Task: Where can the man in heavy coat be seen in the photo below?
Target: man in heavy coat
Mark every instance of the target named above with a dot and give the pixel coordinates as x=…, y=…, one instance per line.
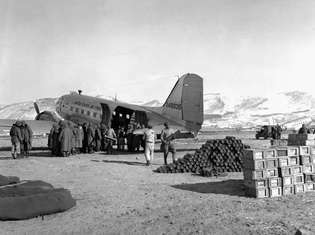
x=16, y=138
x=90, y=138
x=65, y=138
x=27, y=135
x=97, y=138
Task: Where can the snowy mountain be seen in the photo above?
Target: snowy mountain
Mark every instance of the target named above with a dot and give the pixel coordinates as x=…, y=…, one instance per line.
x=221, y=110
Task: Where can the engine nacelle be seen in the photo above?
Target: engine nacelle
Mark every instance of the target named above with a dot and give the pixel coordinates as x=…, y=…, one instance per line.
x=47, y=116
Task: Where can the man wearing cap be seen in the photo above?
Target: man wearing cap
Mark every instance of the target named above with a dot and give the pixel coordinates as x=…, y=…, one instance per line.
x=149, y=144
x=168, y=145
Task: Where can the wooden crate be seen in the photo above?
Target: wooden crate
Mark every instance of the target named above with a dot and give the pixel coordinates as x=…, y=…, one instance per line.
x=309, y=178
x=272, y=172
x=277, y=143
x=263, y=183
x=298, y=179
x=270, y=153
x=312, y=149
x=294, y=160
x=304, y=150
x=308, y=169
x=304, y=160
x=257, y=192
x=293, y=151
x=282, y=152
x=275, y=192
x=272, y=163
x=310, y=187
x=254, y=164
x=288, y=190
x=283, y=161
x=287, y=180
x=297, y=170
x=254, y=175
x=299, y=188
x=254, y=154
x=275, y=182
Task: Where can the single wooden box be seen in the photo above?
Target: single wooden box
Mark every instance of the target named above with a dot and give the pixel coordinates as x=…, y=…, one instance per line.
x=299, y=188
x=283, y=161
x=294, y=160
x=272, y=163
x=270, y=153
x=310, y=187
x=254, y=175
x=257, y=192
x=275, y=182
x=272, y=172
x=275, y=192
x=288, y=190
x=254, y=154
x=306, y=159
x=308, y=169
x=305, y=150
x=298, y=179
x=263, y=183
x=287, y=180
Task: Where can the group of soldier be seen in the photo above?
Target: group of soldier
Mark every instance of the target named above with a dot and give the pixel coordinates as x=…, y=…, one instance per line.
x=67, y=138
x=21, y=138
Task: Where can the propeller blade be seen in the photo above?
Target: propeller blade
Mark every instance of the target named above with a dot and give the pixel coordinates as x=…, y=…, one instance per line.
x=36, y=108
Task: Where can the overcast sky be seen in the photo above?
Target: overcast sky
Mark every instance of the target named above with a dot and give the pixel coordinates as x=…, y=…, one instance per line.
x=137, y=48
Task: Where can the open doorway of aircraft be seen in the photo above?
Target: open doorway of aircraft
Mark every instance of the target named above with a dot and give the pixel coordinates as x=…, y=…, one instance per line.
x=182, y=110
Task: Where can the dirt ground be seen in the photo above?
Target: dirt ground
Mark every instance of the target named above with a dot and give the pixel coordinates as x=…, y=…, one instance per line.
x=118, y=194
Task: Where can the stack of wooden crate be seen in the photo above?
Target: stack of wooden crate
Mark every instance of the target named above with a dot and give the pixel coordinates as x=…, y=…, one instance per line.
x=279, y=171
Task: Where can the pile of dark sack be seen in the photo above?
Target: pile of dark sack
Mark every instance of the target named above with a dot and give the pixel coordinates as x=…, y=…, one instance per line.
x=28, y=199
x=213, y=158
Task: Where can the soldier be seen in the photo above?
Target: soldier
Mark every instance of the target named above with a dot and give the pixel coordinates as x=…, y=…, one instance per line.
x=149, y=144
x=78, y=138
x=90, y=138
x=303, y=130
x=103, y=139
x=53, y=142
x=111, y=134
x=85, y=138
x=16, y=138
x=65, y=139
x=121, y=139
x=97, y=138
x=167, y=139
x=130, y=138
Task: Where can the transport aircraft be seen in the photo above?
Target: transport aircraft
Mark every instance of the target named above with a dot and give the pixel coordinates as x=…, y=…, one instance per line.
x=182, y=110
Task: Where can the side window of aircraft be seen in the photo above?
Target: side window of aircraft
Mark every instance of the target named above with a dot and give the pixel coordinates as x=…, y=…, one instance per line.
x=127, y=116
x=82, y=111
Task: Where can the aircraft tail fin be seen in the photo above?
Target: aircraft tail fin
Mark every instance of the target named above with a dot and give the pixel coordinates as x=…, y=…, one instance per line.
x=185, y=101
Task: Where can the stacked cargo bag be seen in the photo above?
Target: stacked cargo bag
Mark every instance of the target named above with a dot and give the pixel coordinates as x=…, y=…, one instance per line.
x=213, y=158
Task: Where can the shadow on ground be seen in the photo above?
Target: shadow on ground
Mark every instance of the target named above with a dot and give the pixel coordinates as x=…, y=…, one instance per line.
x=121, y=162
x=228, y=187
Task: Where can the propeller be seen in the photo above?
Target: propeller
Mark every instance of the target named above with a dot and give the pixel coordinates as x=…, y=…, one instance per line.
x=36, y=108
